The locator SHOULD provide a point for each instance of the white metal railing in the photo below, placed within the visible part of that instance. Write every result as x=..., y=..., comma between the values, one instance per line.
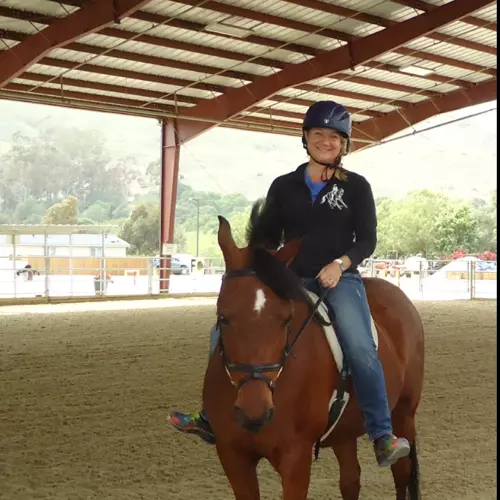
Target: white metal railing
x=80, y=277
x=438, y=279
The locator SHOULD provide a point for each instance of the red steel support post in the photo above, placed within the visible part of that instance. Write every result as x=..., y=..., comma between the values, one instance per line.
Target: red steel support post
x=170, y=151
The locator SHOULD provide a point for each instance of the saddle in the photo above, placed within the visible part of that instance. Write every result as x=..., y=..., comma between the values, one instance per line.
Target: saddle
x=340, y=396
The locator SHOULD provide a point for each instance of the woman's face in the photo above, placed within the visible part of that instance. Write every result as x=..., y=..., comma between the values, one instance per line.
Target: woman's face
x=324, y=144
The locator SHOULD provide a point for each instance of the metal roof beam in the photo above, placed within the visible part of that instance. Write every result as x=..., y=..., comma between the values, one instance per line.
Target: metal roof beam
x=164, y=62
x=386, y=23
x=234, y=101
x=65, y=95
x=428, y=7
x=265, y=61
x=122, y=73
x=134, y=105
x=379, y=128
x=307, y=102
x=24, y=15
x=160, y=61
x=263, y=17
x=346, y=12
x=198, y=27
x=156, y=95
x=218, y=6
x=91, y=17
x=273, y=63
x=104, y=87
x=393, y=68
x=263, y=41
x=105, y=70
x=448, y=61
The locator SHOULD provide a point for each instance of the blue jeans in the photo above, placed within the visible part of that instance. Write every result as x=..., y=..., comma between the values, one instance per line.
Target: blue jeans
x=353, y=325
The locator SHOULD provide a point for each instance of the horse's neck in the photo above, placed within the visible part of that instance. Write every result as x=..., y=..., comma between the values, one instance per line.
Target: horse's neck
x=302, y=313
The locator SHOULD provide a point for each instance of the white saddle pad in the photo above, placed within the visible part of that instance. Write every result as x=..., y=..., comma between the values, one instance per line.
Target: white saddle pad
x=334, y=344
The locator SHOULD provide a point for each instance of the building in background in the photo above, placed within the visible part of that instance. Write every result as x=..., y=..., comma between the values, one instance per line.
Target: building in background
x=61, y=243
x=58, y=245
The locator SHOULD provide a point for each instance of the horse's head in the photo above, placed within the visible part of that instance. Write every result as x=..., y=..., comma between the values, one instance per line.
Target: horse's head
x=254, y=312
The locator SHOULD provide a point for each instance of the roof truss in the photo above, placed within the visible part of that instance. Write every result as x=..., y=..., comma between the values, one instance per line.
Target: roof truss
x=263, y=100
x=91, y=17
x=355, y=53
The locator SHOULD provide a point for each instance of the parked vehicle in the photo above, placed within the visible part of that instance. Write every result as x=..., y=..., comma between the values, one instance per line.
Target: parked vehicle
x=176, y=267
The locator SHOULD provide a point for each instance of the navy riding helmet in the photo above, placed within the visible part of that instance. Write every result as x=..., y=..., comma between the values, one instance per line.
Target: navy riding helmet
x=328, y=114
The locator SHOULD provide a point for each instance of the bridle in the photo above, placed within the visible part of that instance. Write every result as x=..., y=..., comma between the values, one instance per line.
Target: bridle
x=257, y=372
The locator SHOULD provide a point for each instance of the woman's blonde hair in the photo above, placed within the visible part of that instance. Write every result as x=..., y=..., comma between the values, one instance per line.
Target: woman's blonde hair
x=340, y=173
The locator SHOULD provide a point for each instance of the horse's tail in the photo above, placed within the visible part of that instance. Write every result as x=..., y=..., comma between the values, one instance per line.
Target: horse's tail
x=414, y=484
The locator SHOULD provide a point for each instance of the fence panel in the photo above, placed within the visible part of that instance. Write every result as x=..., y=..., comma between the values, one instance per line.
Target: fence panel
x=91, y=277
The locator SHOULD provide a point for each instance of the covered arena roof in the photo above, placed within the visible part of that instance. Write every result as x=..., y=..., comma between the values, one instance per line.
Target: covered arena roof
x=252, y=64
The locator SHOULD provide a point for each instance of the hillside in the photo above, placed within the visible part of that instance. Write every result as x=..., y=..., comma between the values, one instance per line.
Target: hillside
x=459, y=158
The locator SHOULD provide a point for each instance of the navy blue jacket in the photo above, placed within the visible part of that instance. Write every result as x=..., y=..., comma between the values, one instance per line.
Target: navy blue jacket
x=341, y=221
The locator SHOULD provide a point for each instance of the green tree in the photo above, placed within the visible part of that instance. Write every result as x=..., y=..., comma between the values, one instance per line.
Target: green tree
x=406, y=226
x=211, y=205
x=13, y=189
x=113, y=184
x=153, y=173
x=239, y=223
x=64, y=212
x=387, y=241
x=180, y=239
x=99, y=211
x=5, y=219
x=492, y=210
x=455, y=227
x=54, y=163
x=29, y=211
x=433, y=224
x=141, y=230
x=485, y=212
x=121, y=211
x=84, y=221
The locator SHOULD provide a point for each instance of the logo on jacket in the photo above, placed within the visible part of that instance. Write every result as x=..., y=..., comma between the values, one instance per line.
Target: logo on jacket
x=335, y=198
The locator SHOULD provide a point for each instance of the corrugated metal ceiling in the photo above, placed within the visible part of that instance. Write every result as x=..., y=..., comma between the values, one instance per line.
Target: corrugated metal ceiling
x=188, y=58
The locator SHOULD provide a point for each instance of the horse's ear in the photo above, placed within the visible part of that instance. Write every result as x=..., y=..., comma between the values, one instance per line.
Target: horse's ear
x=233, y=255
x=288, y=251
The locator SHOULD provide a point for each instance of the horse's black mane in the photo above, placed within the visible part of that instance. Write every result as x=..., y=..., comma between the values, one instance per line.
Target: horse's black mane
x=276, y=275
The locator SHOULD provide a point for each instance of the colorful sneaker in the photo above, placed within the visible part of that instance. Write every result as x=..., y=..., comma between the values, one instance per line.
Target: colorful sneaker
x=389, y=449
x=192, y=423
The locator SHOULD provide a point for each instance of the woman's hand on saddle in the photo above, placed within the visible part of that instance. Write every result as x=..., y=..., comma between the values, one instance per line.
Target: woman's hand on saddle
x=329, y=276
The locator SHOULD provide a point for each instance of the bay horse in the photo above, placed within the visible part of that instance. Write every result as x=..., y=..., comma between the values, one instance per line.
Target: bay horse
x=265, y=400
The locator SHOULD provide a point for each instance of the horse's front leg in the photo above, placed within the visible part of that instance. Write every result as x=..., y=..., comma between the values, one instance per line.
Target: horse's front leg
x=241, y=471
x=350, y=471
x=294, y=467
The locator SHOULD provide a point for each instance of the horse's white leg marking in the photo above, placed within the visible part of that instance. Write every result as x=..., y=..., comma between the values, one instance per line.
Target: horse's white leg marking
x=260, y=301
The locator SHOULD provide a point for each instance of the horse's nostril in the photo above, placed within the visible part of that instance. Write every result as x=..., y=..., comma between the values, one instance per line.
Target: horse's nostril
x=253, y=424
x=240, y=415
x=269, y=415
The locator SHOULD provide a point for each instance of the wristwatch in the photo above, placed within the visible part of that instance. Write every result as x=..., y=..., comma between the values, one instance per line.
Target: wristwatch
x=343, y=267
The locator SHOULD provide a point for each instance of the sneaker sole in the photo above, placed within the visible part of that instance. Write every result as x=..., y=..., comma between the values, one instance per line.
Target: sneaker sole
x=208, y=438
x=402, y=452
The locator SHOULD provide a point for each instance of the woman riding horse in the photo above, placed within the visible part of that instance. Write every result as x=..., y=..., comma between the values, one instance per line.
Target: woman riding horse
x=333, y=212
